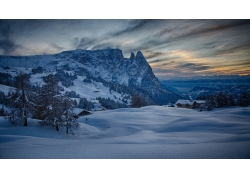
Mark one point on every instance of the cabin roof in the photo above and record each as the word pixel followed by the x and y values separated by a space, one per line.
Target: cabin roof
pixel 200 101
pixel 184 101
pixel 77 110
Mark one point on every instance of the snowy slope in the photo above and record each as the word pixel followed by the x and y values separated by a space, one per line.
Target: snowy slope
pixel 92 90
pixel 5 89
pixel 149 132
pixel 89 91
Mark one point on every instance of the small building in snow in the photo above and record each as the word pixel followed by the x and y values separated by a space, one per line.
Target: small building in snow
pixel 199 104
pixel 183 103
pixel 80 112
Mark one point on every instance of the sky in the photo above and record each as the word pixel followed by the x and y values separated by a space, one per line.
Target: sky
pixel 173 48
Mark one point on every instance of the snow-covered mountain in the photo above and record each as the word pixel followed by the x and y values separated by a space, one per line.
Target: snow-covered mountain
pixel 103 66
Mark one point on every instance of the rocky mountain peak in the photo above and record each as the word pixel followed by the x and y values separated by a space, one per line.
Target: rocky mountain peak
pixel 132 56
pixel 139 55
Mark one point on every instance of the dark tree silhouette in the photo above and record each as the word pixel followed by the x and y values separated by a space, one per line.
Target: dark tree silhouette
pixel 22 100
pixel 138 100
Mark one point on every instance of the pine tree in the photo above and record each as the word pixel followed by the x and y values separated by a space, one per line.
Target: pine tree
pixel 2 97
pixel 138 100
pixel 230 100
pixel 55 109
pixel 219 100
pixel 85 104
pixel 21 100
pixel 243 99
pixel 210 102
pixel 68 116
pixel 50 105
pixel 3 112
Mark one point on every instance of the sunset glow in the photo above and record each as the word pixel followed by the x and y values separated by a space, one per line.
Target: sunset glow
pixel 173 48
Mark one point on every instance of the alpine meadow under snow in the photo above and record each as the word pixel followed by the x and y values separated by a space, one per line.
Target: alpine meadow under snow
pixel 147 132
pixel 121 107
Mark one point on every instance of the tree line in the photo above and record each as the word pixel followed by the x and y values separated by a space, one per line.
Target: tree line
pixel 224 99
pixel 46 103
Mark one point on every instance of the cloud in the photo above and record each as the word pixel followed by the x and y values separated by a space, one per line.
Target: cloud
pixel 55 46
pixel 134 25
pixel 8 46
pixel 212 28
pixel 201 29
pixel 165 59
pixel 6 43
pixel 83 43
pixel 156 61
pixel 104 45
pixel 195 29
pixel 151 54
pixel 168 63
pixel 210 43
pixel 172 28
pixel 181 68
pixel 172 73
pixel 165 31
pixel 242 64
pixel 239 48
pixel 193 67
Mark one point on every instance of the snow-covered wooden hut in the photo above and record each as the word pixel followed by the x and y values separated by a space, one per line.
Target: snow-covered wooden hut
pixel 80 112
pixel 190 104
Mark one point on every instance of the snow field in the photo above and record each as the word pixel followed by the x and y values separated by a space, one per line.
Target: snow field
pixel 148 132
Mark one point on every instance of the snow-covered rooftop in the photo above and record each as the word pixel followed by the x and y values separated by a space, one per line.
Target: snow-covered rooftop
pixel 200 101
pixel 184 101
pixel 77 110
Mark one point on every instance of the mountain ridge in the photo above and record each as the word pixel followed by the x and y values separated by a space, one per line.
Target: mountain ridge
pixel 106 64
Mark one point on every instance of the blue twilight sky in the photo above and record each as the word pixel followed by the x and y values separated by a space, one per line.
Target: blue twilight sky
pixel 173 48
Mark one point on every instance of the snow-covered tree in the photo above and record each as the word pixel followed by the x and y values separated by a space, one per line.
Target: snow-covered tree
pixel 65 78
pixel 243 99
pixel 110 103
pixel 85 104
pixel 2 98
pixel 3 112
pixel 21 101
pixel 139 100
pixel 50 105
pixel 55 108
pixel 210 102
pixel 219 100
pixel 67 117
pixel 72 94
pixel 230 100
